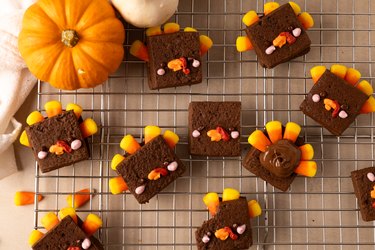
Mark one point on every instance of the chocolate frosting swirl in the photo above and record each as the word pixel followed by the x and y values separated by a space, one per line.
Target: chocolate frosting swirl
pixel 281 158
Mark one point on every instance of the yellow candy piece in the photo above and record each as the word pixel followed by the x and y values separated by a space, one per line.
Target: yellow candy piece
pixel 369 106
pixel 211 200
pixel 250 17
pixel 214 135
pixel 365 87
pixel 292 131
pixel 205 44
pixel 339 70
pixel 352 76
pixel 269 7
pixel 24 140
pixel 68 211
pixel 222 234
pixel 306 168
pixel 153 31
pixel 139 50
pixel 295 7
pixel 230 194
pixel 81 197
pixel 49 221
pixel 22 198
pixel 76 108
pixel 34 117
pixel 117 159
pixel 34 237
pixel 92 224
pixel 259 140
pixel 254 208
pixel 307 152
pixel 117 185
pixel 316 72
pixel 372 193
pixel 151 132
pixel 53 108
pixel 306 20
pixel 190 29
pixel 129 144
pixel 88 127
pixel 274 131
pixel 171 138
pixel 171 28
pixel 279 41
pixel 243 44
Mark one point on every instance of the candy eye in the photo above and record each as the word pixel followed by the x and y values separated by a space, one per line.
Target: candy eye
pixel 196 63
pixel 316 98
pixel 161 72
pixel 343 114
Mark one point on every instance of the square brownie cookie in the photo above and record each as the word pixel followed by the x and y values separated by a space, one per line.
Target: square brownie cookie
pixel 214 128
pixel 232 214
pixel 64 235
pixel 331 88
pixel 364 183
pixel 140 169
pixel 263 32
pixel 180 50
pixel 57 131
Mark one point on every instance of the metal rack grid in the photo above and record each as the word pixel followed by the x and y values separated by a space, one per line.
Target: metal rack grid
pixel 316 213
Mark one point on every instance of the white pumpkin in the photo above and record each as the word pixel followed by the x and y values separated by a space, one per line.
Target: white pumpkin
pixel 146 13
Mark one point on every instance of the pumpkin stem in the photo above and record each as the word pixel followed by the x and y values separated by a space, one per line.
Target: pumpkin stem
pixel 69 38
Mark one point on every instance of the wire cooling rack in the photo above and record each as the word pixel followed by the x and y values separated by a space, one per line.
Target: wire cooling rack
pixel 316 213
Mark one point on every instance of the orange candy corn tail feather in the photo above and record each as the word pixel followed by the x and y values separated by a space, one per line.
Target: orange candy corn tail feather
pixel 254 208
pixel 250 17
pixel 153 31
pixel 53 108
pixel 24 140
pixel 34 117
pixel 306 168
pixel 139 50
pixel 34 237
pixel 352 76
pixel 292 131
pixel 307 152
pixel 205 44
pixel 22 198
pixel 365 87
pixel 68 211
pixel 274 131
pixel 49 221
pixel 76 108
pixel 117 159
pixel 171 28
pixel 171 138
pixel 80 198
pixel 151 132
pixel 117 185
pixel 92 224
pixel 269 7
pixel 88 127
pixel 369 106
pixel 259 140
pixel 339 70
pixel 316 72
pixel 243 44
pixel 129 144
pixel 211 200
pixel 306 20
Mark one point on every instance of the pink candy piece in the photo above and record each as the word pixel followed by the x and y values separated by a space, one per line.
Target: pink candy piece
pixel 316 98
pixel 371 177
pixel 241 229
pixel 140 189
pixel 86 243
pixel 172 166
pixel 270 50
pixel 343 114
pixel 296 32
pixel 42 155
pixel 205 239
pixel 76 144
pixel 160 72
pixel 196 63
pixel 196 133
pixel 234 134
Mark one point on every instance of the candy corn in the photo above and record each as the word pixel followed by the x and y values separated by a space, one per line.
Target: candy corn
pixel 22 198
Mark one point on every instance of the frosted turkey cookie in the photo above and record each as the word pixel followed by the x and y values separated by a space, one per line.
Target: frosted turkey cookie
pixel 364 188
pixel 58 140
pixel 278 154
pixel 174 57
pixel 278 36
pixel 229 228
pixel 148 169
pixel 337 97
pixel 66 231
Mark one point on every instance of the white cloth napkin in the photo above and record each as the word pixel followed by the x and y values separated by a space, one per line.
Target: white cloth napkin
pixel 16 81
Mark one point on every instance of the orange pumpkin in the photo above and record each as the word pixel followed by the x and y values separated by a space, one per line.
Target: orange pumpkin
pixel 72 44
